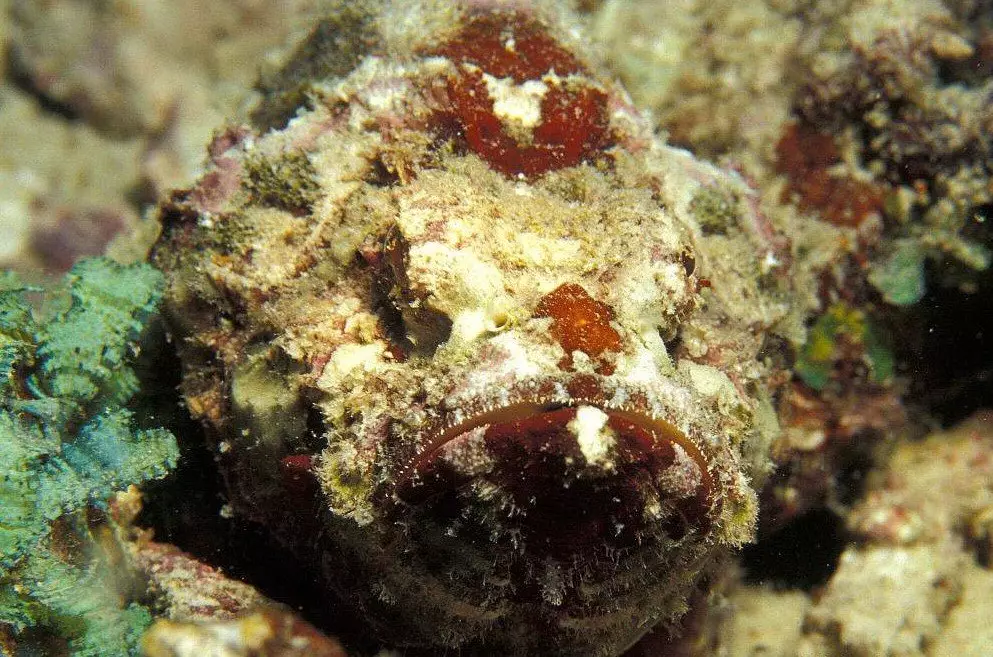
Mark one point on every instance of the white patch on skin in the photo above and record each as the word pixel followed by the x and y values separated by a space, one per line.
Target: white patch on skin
pixel 459 280
pixel 639 368
pixel 516 103
pixel 596 440
pixel 683 477
pixel 468 454
pixel 537 250
pixel 582 363
pixel 711 382
pixel 384 97
pixel 518 361
pixel 349 357
pixel 513 364
pixel 469 325
pixel 620 398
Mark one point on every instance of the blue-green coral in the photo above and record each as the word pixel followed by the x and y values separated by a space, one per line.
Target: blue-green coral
pixel 899 277
pixel 67 443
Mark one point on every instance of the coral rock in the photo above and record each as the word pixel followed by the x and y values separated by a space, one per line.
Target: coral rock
pixel 268 633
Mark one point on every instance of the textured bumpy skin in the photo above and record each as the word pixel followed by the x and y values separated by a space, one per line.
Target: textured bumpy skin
pixel 474 343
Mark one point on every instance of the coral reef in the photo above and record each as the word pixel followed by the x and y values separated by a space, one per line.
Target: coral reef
pixel 872 116
pixel 914 581
pixel 884 601
pixel 186 590
pixel 485 365
pixel 122 70
pixel 55 204
pixel 67 443
pixel 923 131
pixel 716 73
pixel 924 531
pixel 866 128
pixel 199 609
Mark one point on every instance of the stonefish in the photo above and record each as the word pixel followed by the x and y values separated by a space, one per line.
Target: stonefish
pixel 470 339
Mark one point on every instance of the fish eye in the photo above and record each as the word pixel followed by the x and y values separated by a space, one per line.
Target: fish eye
pixel 409 320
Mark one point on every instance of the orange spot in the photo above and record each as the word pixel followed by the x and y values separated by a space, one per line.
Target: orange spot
pixel 580 323
pixel 805 156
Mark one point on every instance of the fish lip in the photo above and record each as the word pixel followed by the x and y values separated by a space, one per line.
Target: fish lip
pixel 633 422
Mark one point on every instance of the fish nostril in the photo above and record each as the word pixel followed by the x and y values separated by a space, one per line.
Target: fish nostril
pixel 500 321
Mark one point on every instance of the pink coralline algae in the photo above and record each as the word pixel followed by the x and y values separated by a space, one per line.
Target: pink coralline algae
pixel 461 344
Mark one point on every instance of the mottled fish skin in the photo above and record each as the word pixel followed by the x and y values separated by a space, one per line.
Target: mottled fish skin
pixel 474 343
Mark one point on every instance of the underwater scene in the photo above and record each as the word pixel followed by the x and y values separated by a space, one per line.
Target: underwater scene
pixel 484 328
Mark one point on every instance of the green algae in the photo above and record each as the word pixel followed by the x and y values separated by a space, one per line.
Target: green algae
pixel 840 325
pixel 67 444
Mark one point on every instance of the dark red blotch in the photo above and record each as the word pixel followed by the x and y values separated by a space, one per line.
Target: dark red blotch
pixel 574 118
pixel 483 42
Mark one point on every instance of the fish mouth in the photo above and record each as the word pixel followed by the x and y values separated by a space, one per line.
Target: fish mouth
pixel 574 483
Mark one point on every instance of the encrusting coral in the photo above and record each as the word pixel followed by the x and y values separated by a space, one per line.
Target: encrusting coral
pixel 67 443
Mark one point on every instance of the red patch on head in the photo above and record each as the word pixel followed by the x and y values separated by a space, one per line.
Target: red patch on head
pixel 573 125
pixel 580 323
pixel 509 45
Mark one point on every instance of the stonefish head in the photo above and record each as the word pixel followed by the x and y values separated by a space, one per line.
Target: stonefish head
pixel 473 342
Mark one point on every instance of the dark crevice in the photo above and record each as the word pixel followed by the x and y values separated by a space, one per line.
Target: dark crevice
pixel 19 77
pixel 947 346
pixel 380 174
pixel 314 439
pixel 672 342
pixel 853 468
pixel 390 318
pixel 802 554
pixel 185 510
pixel 777 351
